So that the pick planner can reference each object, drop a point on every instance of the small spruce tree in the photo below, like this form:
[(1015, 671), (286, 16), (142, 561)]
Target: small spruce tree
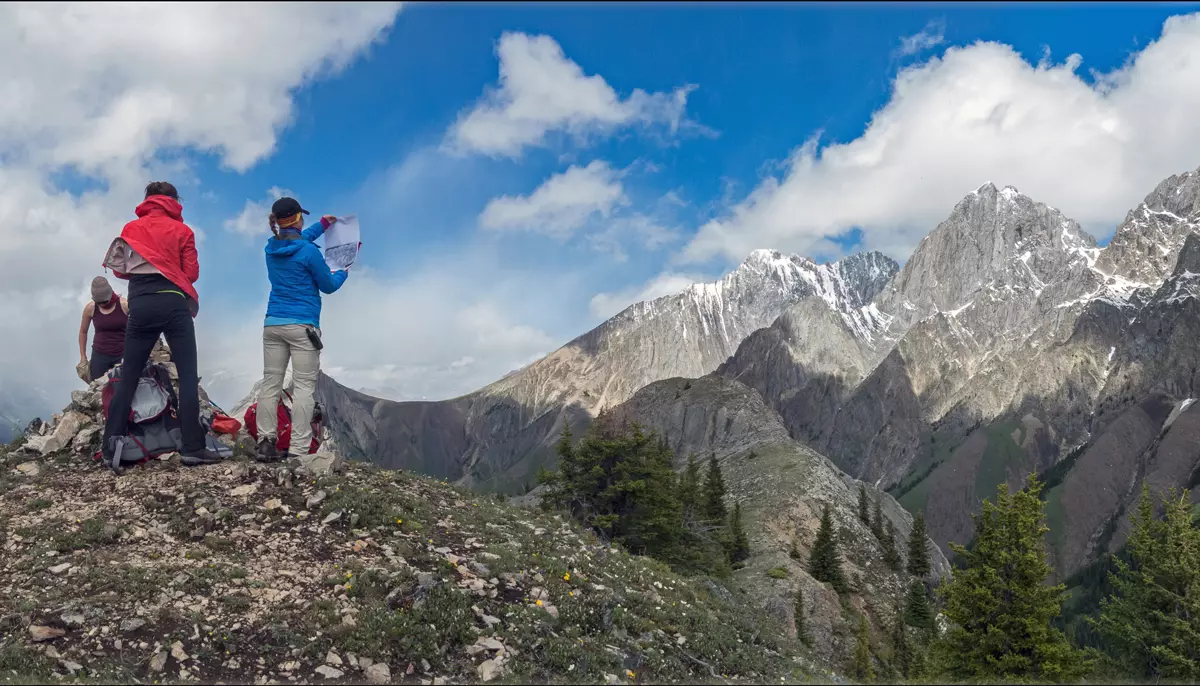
[(916, 607), (740, 548), (877, 521), (1151, 622), (824, 562), (861, 667), (918, 550), (714, 494), (999, 607), (801, 626), (891, 556)]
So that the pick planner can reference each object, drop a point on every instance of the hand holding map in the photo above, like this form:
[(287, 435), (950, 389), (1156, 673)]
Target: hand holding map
[(341, 243)]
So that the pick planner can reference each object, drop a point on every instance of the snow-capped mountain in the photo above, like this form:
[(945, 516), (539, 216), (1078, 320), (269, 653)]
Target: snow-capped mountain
[(1013, 341), (498, 436)]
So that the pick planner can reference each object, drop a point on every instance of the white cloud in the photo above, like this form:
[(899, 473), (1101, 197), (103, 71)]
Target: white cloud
[(542, 92), (115, 94), (454, 324), (252, 220), (932, 35), (561, 205), (605, 305), (982, 113)]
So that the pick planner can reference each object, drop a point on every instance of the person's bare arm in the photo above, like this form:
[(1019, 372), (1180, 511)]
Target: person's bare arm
[(124, 305), (88, 310)]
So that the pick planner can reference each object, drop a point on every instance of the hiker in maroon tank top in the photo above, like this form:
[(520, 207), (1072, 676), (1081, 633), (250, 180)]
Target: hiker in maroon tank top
[(108, 313)]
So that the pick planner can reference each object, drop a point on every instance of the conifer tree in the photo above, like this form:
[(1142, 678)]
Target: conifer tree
[(1151, 622), (902, 651), (801, 626), (891, 556), (864, 512), (714, 494), (999, 606), (916, 607), (824, 562), (740, 548), (861, 667), (918, 550), (877, 521), (689, 489)]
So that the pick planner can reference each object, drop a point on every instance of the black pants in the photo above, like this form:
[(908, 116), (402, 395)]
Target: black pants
[(150, 316), (101, 363)]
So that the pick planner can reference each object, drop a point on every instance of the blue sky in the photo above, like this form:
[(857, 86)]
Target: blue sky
[(694, 188)]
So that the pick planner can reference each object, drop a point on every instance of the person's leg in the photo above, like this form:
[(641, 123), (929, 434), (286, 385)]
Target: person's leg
[(181, 338), (306, 365), (100, 363), (306, 368), (275, 361), (142, 331)]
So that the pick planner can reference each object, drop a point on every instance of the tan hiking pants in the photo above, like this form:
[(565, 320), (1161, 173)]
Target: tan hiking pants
[(281, 343)]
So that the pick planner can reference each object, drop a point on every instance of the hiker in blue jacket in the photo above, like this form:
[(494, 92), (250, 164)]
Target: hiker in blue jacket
[(292, 329)]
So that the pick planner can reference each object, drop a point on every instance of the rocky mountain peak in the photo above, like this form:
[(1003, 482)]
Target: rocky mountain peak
[(997, 237), (1145, 245)]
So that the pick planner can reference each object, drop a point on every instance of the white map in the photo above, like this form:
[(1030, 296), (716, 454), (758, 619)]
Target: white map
[(341, 243)]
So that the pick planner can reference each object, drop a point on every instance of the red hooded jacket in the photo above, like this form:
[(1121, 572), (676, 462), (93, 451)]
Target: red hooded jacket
[(162, 239)]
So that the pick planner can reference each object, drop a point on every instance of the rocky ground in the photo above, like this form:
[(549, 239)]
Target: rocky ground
[(243, 572)]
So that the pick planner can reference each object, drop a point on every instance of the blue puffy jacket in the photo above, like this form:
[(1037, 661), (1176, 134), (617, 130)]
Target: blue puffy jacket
[(298, 274)]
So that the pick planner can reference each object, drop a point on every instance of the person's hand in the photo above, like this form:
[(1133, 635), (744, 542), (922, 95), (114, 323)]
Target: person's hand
[(330, 219)]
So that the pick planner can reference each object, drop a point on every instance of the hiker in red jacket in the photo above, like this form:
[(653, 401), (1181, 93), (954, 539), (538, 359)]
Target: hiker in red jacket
[(156, 253)]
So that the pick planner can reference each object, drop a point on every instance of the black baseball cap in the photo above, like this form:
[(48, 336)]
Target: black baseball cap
[(286, 207)]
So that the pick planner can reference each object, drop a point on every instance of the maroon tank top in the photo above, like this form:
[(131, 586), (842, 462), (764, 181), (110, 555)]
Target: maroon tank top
[(110, 330)]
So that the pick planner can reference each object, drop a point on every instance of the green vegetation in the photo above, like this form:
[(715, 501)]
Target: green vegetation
[(799, 619), (1151, 621), (918, 548), (998, 605), (860, 665), (619, 482), (824, 562)]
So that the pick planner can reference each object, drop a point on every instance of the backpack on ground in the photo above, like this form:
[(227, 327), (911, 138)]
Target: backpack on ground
[(153, 428), (283, 433)]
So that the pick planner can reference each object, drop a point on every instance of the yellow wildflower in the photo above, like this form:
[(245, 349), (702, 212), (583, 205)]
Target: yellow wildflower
[(539, 603), (629, 673), (567, 576)]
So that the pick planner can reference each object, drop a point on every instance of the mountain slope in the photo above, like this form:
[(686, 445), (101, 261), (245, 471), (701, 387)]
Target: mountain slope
[(497, 437), (782, 487)]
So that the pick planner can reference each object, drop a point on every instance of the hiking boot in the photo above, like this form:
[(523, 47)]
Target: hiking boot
[(199, 457), (267, 452), (110, 454)]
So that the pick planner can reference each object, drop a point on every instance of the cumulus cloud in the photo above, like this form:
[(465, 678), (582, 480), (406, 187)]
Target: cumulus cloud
[(542, 92), (561, 205), (605, 305), (982, 113), (932, 35), (252, 220), (116, 94)]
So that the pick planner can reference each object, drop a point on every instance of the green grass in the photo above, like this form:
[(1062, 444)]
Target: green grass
[(777, 573)]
